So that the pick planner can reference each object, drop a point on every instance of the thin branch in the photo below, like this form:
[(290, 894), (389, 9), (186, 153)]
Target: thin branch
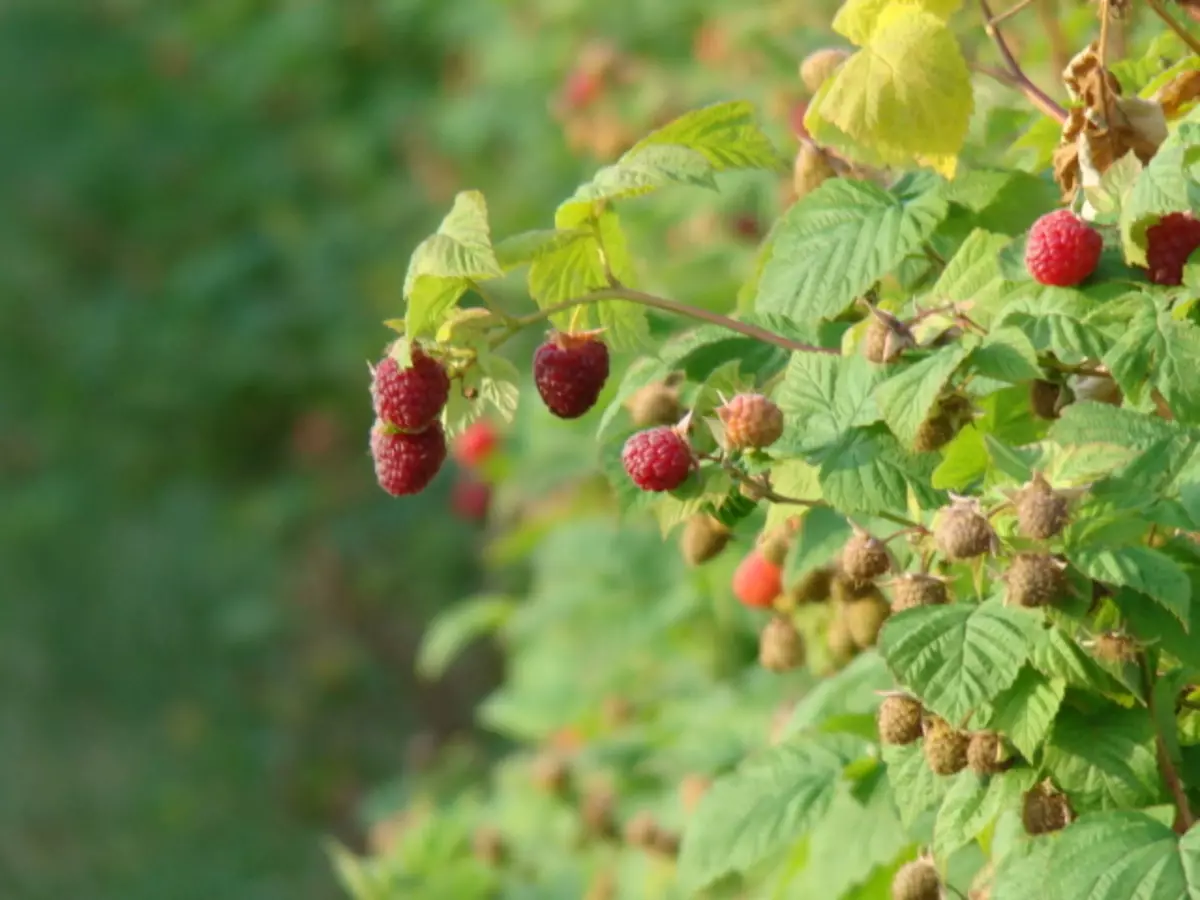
[(619, 292), (1011, 11), (1183, 812), (1102, 53), (1183, 33), (1020, 80)]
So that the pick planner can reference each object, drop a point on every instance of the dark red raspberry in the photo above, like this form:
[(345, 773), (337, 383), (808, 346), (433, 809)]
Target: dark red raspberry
[(1168, 246), (1062, 249), (410, 398), (406, 463), (471, 498), (658, 459), (476, 443), (570, 371)]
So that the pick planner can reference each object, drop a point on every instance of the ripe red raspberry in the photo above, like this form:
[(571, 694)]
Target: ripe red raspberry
[(476, 443), (1168, 246), (471, 498), (1062, 249), (570, 370), (406, 463), (757, 581), (658, 459), (751, 420), (410, 398)]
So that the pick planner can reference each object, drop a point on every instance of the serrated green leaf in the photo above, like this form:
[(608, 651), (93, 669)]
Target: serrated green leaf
[(1059, 658), (1168, 184), (1088, 422), (823, 397), (453, 630), (1007, 354), (764, 806), (708, 488), (430, 297), (906, 95), (915, 787), (852, 691), (1142, 569), (970, 270), (957, 657), (1025, 711), (964, 460), (1104, 759), (1151, 623), (868, 471), (793, 478), (1164, 352), (527, 246), (824, 533), (835, 243), (1056, 320), (858, 19), (973, 803), (905, 400)]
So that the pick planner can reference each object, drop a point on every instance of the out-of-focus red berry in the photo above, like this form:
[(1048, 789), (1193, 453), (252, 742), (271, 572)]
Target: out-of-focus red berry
[(471, 498), (476, 443)]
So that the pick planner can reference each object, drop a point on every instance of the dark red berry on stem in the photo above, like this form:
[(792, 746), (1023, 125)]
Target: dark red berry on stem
[(410, 398), (1168, 246), (659, 459), (476, 443), (406, 463), (1062, 249), (570, 371)]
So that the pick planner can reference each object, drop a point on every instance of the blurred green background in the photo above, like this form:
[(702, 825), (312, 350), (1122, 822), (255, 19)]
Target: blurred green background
[(207, 609)]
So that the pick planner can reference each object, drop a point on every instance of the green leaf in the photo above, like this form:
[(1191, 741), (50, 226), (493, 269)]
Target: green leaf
[(1007, 354), (793, 478), (835, 243), (970, 270), (822, 398), (690, 150), (1119, 855), (1160, 350), (1025, 711), (858, 19), (972, 804), (444, 264), (915, 787), (905, 400), (957, 657), (1104, 759), (905, 97), (1168, 184), (575, 266), (454, 629), (766, 805), (964, 460), (1151, 623), (868, 471), (852, 691), (1059, 658), (706, 489), (1098, 423), (824, 533), (1056, 320), (1141, 568)]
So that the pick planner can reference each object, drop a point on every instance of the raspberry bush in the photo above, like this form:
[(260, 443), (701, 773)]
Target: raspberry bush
[(933, 478)]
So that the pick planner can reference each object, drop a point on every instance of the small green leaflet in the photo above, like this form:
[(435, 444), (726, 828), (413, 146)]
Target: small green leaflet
[(766, 805), (835, 243), (868, 471), (1141, 568), (690, 150), (1007, 354), (1025, 711), (1088, 422), (972, 268), (915, 787), (444, 264), (1104, 759), (957, 657), (823, 397), (905, 400)]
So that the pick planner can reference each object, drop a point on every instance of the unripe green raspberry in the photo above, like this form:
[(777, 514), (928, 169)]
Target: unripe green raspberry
[(1034, 579), (899, 720), (864, 558), (934, 434), (914, 589), (780, 646), (1041, 513), (984, 753), (811, 587), (917, 880), (840, 642), (1114, 647), (1045, 809), (865, 615), (945, 749), (963, 531), (703, 538), (886, 338)]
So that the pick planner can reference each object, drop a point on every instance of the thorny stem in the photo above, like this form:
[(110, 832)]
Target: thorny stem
[(619, 292), (1183, 813), (1020, 80), (1183, 33)]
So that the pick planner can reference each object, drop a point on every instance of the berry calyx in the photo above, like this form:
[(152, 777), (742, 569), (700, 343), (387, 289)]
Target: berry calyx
[(864, 558), (411, 398), (1034, 579), (1045, 809), (780, 646), (659, 459), (476, 443), (569, 371), (1114, 647), (1062, 249), (406, 463), (751, 422), (1169, 243), (945, 749), (886, 338), (984, 753), (963, 531), (899, 720), (917, 880), (757, 581), (915, 589), (1041, 513), (703, 538)]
